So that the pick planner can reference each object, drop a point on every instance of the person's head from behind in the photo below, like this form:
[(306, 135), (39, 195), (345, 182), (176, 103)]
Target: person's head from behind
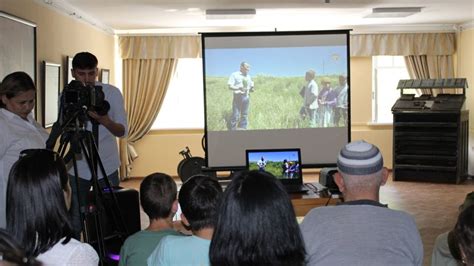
[(360, 171), (244, 68), (84, 68), (198, 199), (256, 224), (18, 94), (453, 241), (464, 233), (11, 254), (158, 196), (310, 74), (38, 197)]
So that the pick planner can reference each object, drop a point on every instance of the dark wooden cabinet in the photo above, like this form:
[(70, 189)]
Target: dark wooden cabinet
[(431, 132), (430, 146)]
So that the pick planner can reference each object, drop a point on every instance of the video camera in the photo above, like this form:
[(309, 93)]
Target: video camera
[(77, 97)]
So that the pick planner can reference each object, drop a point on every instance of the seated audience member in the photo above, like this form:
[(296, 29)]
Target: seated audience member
[(158, 199), (446, 250), (12, 254), (361, 231), (256, 224), (38, 198), (464, 232), (198, 198)]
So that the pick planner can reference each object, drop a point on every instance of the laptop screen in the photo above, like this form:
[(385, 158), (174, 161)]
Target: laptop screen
[(284, 164)]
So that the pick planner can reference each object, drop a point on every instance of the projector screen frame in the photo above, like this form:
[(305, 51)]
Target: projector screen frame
[(231, 167)]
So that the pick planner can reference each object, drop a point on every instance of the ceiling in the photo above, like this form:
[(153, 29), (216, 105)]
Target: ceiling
[(188, 16)]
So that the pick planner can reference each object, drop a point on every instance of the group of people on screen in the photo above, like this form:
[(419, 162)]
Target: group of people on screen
[(325, 106), (290, 169)]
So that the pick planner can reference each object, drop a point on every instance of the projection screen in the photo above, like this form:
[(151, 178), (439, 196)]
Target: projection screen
[(265, 90)]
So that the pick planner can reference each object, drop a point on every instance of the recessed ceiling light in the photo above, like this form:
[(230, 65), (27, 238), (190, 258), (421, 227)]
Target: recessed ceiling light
[(242, 13), (393, 12), (171, 10)]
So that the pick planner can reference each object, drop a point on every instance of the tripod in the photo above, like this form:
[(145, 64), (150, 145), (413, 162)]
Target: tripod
[(82, 142)]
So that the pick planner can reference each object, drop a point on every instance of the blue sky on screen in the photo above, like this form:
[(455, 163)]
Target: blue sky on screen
[(275, 156), (283, 61)]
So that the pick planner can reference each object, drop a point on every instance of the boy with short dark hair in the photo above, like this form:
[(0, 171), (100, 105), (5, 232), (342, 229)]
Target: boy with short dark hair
[(198, 198), (158, 199)]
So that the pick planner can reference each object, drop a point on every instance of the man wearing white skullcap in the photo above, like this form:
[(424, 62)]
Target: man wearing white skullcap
[(361, 230)]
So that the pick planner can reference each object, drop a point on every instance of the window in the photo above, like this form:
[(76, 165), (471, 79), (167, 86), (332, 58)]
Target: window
[(387, 71), (183, 106)]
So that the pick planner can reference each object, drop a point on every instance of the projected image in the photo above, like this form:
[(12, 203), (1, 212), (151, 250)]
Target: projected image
[(267, 90), (276, 87), (283, 165)]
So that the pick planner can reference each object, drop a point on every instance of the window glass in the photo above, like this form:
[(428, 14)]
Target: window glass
[(183, 106), (387, 71)]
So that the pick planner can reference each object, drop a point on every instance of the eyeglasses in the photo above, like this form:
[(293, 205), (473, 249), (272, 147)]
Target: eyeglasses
[(39, 152)]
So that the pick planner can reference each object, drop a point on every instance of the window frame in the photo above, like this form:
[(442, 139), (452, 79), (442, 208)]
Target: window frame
[(177, 77), (375, 119)]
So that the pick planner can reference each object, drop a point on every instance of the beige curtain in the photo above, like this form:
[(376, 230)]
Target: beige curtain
[(427, 55), (150, 78), (149, 63), (430, 67), (160, 47), (403, 44)]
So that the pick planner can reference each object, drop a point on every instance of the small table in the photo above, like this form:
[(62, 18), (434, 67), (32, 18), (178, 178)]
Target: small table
[(304, 202)]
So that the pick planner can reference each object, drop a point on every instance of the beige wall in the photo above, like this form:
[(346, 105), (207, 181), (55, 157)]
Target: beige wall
[(159, 151), (466, 66), (59, 36), (466, 70)]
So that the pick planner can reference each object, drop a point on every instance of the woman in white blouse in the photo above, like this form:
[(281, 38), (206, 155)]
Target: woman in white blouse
[(18, 128), (38, 198)]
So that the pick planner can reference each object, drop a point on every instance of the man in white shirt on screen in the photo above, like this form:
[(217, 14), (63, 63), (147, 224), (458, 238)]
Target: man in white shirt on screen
[(340, 111), (261, 164), (241, 84)]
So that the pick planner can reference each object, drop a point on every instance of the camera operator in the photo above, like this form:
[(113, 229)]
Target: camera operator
[(111, 125)]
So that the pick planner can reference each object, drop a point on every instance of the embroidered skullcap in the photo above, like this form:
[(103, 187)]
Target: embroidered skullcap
[(359, 158)]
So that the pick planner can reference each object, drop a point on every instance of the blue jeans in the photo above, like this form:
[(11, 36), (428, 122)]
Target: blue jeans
[(84, 187), (311, 114), (340, 113), (240, 111)]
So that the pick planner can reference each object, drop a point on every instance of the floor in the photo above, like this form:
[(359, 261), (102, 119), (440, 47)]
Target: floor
[(434, 206)]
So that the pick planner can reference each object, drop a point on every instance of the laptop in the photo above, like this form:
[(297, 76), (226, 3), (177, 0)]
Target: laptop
[(284, 164)]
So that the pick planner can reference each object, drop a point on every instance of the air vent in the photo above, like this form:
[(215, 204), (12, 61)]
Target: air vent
[(393, 12)]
